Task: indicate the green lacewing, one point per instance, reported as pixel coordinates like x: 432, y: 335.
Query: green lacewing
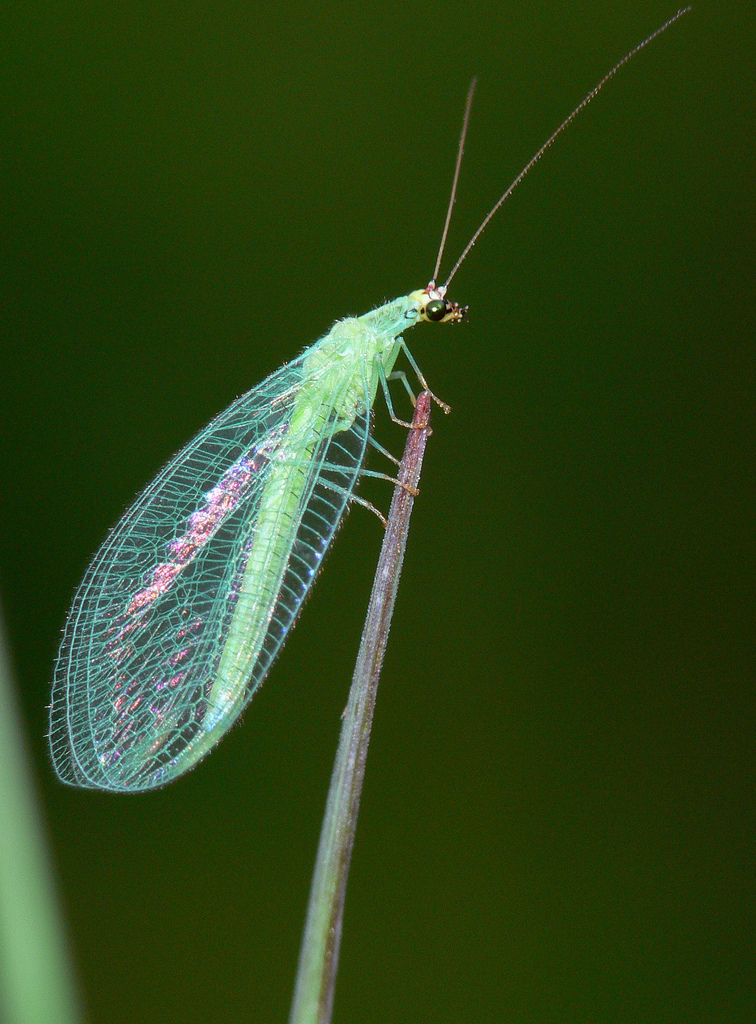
x: 188, y: 601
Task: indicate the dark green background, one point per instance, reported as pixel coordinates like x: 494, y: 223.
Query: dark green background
x: 559, y: 809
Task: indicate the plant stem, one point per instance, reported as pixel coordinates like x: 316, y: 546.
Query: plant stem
x: 36, y: 975
x: 319, y: 955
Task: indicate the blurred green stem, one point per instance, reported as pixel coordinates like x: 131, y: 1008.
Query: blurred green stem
x: 36, y: 986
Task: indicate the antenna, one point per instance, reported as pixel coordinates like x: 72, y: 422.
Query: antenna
x: 534, y: 159
x: 457, y: 167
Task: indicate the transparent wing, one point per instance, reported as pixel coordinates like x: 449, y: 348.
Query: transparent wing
x: 146, y: 629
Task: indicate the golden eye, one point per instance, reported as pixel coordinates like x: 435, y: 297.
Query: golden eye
x: 435, y: 310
